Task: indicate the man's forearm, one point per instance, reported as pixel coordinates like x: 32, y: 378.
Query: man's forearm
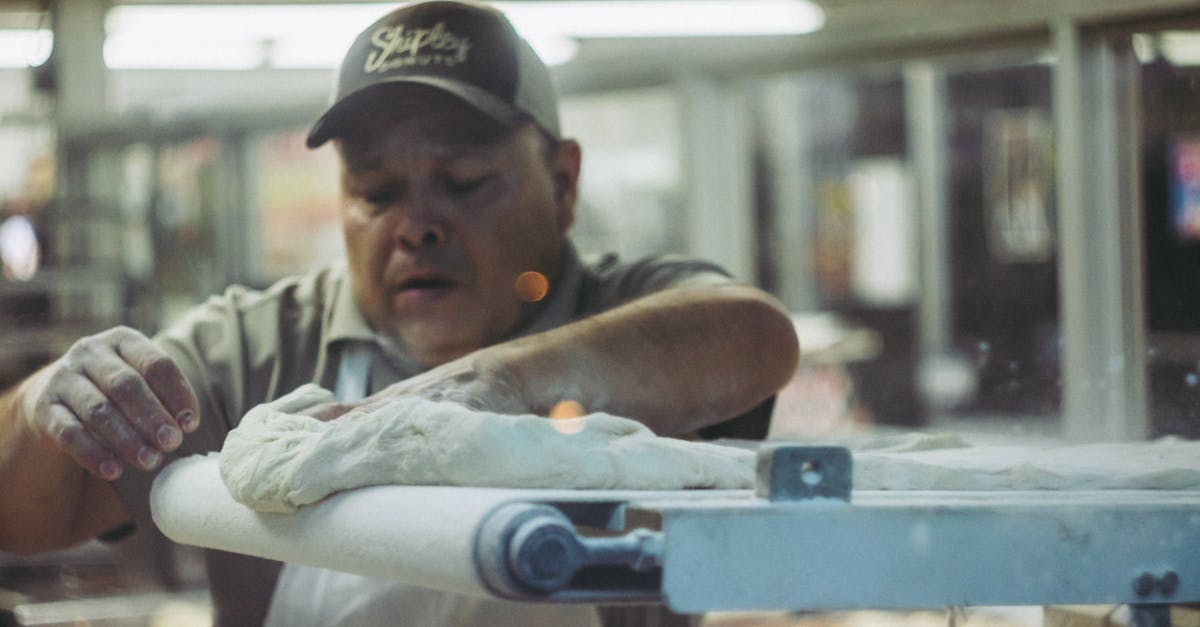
x: 676, y: 360
x: 27, y: 467
x: 44, y: 490
x: 112, y: 398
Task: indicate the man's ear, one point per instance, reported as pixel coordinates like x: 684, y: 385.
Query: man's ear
x: 564, y: 168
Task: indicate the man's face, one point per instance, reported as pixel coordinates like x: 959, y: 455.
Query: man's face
x: 441, y: 213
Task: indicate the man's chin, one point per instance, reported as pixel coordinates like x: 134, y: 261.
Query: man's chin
x: 433, y: 347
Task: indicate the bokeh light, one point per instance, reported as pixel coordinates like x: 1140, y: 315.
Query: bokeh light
x: 567, y: 409
x: 567, y: 417
x: 532, y: 286
x: 19, y: 249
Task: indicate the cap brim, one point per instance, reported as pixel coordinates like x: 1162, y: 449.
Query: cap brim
x: 333, y: 122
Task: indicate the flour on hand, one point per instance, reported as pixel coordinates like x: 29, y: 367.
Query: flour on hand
x: 277, y: 460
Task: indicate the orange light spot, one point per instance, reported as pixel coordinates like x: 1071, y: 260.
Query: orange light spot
x: 567, y: 417
x: 532, y: 286
x: 567, y: 409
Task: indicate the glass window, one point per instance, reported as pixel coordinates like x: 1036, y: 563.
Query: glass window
x: 295, y: 190
x: 630, y: 187
x: 850, y: 234
x: 185, y: 213
x: 1170, y: 167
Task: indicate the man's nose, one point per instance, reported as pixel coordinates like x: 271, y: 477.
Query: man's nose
x: 419, y: 226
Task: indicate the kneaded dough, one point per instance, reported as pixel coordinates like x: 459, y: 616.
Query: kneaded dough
x: 949, y: 462
x: 277, y: 460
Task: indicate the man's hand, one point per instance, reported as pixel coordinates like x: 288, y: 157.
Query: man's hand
x: 476, y: 380
x: 113, y: 397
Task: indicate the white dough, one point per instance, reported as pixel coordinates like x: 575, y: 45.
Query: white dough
x: 277, y: 460
x: 948, y: 462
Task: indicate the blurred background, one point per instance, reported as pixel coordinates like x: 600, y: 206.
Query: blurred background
x: 984, y: 215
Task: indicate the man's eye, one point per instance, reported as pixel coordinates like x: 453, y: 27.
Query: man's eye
x: 379, y: 199
x: 466, y: 185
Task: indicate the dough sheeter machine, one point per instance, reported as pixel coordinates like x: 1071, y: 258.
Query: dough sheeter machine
x: 802, y: 540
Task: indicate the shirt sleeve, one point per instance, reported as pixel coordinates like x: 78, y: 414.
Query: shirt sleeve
x: 609, y: 282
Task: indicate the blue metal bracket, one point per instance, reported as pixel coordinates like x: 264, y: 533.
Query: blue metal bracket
x: 788, y: 472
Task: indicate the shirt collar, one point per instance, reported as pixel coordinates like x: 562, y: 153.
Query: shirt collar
x: 346, y: 321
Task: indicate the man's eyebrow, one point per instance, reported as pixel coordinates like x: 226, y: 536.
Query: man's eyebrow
x: 439, y: 154
x: 458, y: 144
x: 364, y: 171
x: 466, y: 146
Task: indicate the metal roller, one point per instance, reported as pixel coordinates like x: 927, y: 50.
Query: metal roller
x: 527, y: 549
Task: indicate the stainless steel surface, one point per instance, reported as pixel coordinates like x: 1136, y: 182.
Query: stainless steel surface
x: 931, y: 549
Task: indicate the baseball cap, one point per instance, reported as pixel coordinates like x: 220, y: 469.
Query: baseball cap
x: 467, y: 49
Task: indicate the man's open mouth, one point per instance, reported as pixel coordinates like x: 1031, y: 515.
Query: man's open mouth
x: 425, y: 284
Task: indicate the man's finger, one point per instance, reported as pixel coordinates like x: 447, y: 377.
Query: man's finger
x: 131, y: 394
x: 80, y: 445
x: 163, y: 377
x: 106, y: 423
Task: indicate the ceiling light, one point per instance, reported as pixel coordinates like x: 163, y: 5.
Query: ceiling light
x: 229, y: 36
x: 1181, y: 47
x: 665, y: 18
x: 23, y: 48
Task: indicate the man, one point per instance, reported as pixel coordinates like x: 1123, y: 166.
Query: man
x: 456, y: 182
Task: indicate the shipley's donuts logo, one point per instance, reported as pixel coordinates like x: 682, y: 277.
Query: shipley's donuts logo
x: 398, y: 46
